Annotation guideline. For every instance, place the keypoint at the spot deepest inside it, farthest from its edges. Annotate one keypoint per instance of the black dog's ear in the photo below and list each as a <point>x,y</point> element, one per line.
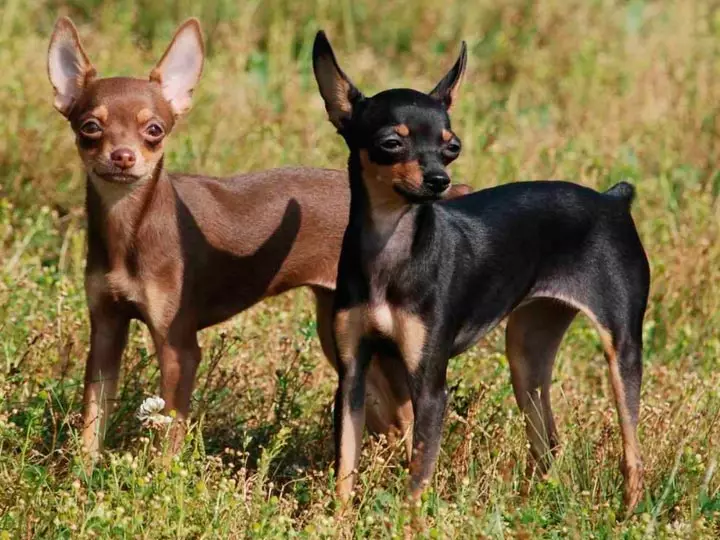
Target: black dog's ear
<point>446,89</point>
<point>336,89</point>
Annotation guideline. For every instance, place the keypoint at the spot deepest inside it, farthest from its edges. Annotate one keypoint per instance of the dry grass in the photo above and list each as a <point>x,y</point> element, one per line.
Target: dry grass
<point>589,91</point>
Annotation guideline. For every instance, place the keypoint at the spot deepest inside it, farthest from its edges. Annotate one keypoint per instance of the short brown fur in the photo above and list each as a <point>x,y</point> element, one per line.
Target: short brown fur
<point>184,252</point>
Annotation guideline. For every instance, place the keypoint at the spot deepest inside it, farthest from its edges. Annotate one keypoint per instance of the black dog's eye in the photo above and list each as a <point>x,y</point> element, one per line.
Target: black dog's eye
<point>154,131</point>
<point>453,147</point>
<point>390,145</point>
<point>91,129</point>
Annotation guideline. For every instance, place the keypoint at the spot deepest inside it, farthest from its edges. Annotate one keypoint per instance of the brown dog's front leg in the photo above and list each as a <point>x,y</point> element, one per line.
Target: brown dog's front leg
<point>179,357</point>
<point>108,336</point>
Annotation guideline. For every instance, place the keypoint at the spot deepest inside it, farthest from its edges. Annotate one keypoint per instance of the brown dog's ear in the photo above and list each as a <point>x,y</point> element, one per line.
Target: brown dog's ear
<point>69,68</point>
<point>446,89</point>
<point>339,93</point>
<point>179,69</point>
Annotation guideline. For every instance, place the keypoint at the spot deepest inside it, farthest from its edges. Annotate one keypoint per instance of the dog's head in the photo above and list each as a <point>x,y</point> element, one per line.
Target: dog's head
<point>121,123</point>
<point>403,137</point>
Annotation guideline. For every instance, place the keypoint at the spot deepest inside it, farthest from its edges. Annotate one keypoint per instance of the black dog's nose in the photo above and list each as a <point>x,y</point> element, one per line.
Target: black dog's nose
<point>437,182</point>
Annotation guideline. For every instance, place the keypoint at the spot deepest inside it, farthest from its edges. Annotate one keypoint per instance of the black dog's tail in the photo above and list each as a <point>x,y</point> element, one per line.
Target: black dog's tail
<point>622,191</point>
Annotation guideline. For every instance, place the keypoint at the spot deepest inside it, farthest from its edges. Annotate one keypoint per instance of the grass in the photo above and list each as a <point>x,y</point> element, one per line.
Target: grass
<point>592,91</point>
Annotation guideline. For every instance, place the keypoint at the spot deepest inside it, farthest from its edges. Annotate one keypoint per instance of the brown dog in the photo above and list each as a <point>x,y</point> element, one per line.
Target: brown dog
<point>182,252</point>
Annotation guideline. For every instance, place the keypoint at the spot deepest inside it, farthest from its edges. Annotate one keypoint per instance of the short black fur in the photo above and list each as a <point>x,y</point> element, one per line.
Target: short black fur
<point>536,252</point>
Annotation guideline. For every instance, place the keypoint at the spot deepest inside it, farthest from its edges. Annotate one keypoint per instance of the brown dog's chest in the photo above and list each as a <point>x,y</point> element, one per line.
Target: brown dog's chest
<point>155,298</point>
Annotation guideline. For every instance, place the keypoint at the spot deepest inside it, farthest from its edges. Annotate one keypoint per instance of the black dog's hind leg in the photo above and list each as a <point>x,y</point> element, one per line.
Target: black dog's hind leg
<point>624,356</point>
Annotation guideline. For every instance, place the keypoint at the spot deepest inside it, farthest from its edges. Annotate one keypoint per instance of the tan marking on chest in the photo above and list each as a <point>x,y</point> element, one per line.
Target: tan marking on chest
<point>405,329</point>
<point>380,319</point>
<point>409,334</point>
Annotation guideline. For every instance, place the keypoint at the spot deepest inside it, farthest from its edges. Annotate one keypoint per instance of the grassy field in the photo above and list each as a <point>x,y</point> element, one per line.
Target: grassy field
<point>592,91</point>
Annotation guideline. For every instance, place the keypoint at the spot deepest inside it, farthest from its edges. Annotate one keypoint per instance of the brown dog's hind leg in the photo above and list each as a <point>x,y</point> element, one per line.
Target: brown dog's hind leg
<point>324,299</point>
<point>388,404</point>
<point>533,335</point>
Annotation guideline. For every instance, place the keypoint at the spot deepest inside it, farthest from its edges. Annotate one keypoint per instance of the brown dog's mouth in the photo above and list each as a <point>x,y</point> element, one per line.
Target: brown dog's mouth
<point>118,177</point>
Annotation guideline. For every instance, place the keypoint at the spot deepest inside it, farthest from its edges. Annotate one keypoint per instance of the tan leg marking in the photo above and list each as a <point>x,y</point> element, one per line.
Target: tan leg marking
<point>632,464</point>
<point>410,336</point>
<point>533,336</point>
<point>350,326</point>
<point>406,419</point>
<point>353,423</point>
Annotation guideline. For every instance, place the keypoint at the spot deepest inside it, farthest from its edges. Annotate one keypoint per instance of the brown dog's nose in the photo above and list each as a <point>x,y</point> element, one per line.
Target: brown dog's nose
<point>123,158</point>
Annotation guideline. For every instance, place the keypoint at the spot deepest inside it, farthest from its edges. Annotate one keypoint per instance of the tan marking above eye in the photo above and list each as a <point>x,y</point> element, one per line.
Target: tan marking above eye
<point>144,115</point>
<point>402,130</point>
<point>101,113</point>
<point>446,135</point>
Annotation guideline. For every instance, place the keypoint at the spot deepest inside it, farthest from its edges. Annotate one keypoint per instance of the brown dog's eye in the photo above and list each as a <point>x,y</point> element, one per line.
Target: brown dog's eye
<point>91,129</point>
<point>154,132</point>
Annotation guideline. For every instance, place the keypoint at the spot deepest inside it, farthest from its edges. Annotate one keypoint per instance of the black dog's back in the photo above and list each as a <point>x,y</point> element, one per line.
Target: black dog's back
<point>511,243</point>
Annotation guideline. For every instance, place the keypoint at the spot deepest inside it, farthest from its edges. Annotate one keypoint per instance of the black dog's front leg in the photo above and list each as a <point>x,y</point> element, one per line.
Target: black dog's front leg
<point>429,397</point>
<point>350,417</point>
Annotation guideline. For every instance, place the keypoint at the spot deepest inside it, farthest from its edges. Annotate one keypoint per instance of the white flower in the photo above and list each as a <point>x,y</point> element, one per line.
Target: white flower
<point>149,412</point>
<point>150,406</point>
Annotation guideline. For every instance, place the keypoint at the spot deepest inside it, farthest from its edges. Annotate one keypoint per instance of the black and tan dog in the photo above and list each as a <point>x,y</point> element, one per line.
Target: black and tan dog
<point>422,280</point>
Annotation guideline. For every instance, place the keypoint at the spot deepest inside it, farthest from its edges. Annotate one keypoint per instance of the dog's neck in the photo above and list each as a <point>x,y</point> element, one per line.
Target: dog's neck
<point>378,211</point>
<point>383,228</point>
<point>115,213</point>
